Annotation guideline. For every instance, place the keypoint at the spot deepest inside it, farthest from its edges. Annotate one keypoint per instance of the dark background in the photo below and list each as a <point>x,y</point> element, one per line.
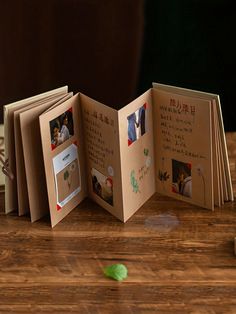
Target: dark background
<point>112,50</point>
<point>191,43</point>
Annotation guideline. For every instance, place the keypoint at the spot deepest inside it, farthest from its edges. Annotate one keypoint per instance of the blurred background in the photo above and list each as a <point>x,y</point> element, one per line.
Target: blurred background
<point>112,50</point>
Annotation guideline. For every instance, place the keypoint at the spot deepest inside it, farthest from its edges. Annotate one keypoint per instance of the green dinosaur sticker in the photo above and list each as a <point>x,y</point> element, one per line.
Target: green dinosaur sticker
<point>134,182</point>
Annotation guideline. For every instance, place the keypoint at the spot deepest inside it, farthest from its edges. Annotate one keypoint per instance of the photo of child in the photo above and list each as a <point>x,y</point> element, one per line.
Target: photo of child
<point>61,128</point>
<point>102,186</point>
<point>181,178</point>
<point>137,124</point>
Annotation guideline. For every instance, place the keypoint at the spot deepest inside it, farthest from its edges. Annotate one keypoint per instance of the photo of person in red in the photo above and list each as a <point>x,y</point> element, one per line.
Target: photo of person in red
<point>61,128</point>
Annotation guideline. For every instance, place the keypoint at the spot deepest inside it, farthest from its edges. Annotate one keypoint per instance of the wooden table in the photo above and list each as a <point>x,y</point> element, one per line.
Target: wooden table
<point>180,260</point>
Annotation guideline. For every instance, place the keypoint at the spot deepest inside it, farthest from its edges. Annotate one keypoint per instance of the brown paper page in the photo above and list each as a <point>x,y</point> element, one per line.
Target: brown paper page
<point>22,191</point>
<point>183,148</point>
<point>63,154</point>
<point>101,133</point>
<point>137,153</point>
<point>222,139</point>
<point>223,170</point>
<point>69,95</point>
<point>11,185</point>
<point>224,151</point>
<point>33,158</point>
<point>219,155</point>
<point>215,154</point>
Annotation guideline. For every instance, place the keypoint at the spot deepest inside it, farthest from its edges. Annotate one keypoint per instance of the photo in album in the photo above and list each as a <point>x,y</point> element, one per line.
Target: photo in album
<point>137,124</point>
<point>61,128</point>
<point>102,186</point>
<point>67,175</point>
<point>181,178</point>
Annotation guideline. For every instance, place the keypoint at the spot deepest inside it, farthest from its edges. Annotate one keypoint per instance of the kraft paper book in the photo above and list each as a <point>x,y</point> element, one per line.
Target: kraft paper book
<point>61,148</point>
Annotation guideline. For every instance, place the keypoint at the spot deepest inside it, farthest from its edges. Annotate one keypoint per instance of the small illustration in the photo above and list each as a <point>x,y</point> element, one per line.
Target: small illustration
<point>67,175</point>
<point>68,180</point>
<point>110,171</point>
<point>137,124</point>
<point>134,182</point>
<point>102,186</point>
<point>181,178</point>
<point>146,151</point>
<point>148,159</point>
<point>61,128</point>
<point>163,175</point>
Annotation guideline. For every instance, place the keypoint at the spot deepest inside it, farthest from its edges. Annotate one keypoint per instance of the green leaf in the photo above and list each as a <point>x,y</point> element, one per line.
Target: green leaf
<point>66,175</point>
<point>145,151</point>
<point>116,271</point>
<point>135,187</point>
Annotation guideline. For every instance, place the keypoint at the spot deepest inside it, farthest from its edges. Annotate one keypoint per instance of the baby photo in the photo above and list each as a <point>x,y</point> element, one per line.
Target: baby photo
<point>137,124</point>
<point>102,186</point>
<point>181,178</point>
<point>61,128</point>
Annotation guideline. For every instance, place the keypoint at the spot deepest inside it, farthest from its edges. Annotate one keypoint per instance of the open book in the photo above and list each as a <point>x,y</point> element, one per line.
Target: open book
<point>61,148</point>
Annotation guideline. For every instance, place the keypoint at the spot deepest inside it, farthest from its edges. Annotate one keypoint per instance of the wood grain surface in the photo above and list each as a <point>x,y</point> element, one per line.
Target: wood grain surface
<point>180,259</point>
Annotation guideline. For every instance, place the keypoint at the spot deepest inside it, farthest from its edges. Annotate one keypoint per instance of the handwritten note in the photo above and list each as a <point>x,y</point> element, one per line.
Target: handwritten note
<point>177,120</point>
<point>97,146</point>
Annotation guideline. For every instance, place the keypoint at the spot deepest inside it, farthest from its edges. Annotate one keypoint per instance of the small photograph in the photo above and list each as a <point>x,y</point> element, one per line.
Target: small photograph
<point>102,186</point>
<point>181,178</point>
<point>68,180</point>
<point>61,128</point>
<point>137,124</point>
<point>67,175</point>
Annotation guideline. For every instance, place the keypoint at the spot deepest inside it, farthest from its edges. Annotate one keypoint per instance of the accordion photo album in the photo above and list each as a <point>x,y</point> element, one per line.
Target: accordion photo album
<point>61,148</point>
